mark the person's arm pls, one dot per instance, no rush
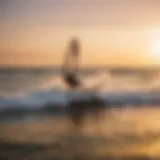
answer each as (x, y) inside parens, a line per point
(70, 63)
(65, 64)
(75, 64)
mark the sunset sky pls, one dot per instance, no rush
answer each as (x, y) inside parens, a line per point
(112, 32)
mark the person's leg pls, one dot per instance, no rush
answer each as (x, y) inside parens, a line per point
(72, 81)
(76, 117)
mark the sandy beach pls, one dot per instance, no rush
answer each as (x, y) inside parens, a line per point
(124, 134)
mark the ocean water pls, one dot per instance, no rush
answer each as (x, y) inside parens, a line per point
(130, 125)
(18, 83)
(34, 88)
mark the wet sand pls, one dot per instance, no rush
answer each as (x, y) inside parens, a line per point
(123, 134)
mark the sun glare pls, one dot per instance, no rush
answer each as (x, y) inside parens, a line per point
(155, 42)
(156, 48)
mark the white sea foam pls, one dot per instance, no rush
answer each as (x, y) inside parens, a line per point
(36, 90)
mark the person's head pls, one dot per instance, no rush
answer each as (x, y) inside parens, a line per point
(75, 46)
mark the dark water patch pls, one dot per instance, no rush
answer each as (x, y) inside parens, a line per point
(24, 112)
(58, 151)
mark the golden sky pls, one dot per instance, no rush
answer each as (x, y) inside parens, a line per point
(112, 32)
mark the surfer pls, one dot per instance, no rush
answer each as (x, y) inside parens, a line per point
(78, 108)
(71, 64)
(70, 68)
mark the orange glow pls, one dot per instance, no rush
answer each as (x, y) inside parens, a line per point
(46, 46)
(112, 34)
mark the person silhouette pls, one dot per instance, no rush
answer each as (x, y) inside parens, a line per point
(70, 68)
(71, 64)
(79, 108)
